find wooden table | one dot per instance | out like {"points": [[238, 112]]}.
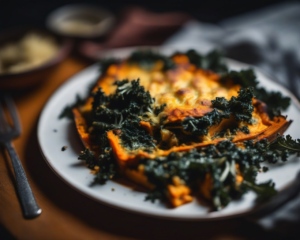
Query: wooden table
{"points": [[68, 214]]}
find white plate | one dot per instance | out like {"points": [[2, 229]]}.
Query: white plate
{"points": [[74, 172]]}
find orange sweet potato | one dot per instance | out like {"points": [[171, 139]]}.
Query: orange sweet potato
{"points": [[82, 128]]}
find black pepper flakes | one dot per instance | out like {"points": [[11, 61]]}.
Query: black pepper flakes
{"points": [[64, 148], [265, 169]]}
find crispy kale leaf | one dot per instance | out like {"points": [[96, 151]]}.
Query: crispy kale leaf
{"points": [[107, 166], [158, 110], [240, 107], [243, 129], [147, 58], [245, 78], [105, 162], [67, 111], [134, 137], [198, 126], [275, 101], [233, 131], [284, 146], [89, 157], [263, 190], [213, 61]]}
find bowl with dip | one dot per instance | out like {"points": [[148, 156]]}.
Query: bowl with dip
{"points": [[81, 21], [27, 56]]}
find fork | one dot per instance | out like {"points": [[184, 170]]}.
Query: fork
{"points": [[7, 133]]}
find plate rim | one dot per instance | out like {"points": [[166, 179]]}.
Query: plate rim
{"points": [[237, 214]]}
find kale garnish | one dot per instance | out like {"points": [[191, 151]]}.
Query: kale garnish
{"points": [[245, 78], [158, 110], [233, 131], [275, 101], [213, 61], [240, 107], [263, 190], [219, 161], [107, 166], [284, 146], [67, 111], [198, 126], [89, 157], [105, 162], [147, 58], [134, 137], [243, 129], [129, 101]]}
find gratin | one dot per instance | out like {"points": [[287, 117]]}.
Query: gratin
{"points": [[179, 126]]}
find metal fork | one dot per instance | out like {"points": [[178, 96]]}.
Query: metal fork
{"points": [[7, 133]]}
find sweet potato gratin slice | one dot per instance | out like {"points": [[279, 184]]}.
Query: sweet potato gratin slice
{"points": [[182, 125]]}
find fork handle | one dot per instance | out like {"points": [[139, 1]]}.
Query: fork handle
{"points": [[28, 202]]}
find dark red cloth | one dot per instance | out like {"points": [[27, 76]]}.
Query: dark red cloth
{"points": [[137, 27]]}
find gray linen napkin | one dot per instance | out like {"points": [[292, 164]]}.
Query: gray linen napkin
{"points": [[270, 39]]}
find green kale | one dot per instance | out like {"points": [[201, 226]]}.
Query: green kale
{"points": [[243, 129], [218, 160], [128, 102], [233, 131], [245, 78], [89, 157], [284, 146], [240, 107], [263, 190], [213, 61], [107, 165], [147, 58], [198, 126], [67, 111], [158, 110], [105, 162], [134, 137], [275, 101], [131, 98]]}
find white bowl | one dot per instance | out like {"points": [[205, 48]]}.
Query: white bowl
{"points": [[81, 21]]}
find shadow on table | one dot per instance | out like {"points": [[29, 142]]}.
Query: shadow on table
{"points": [[123, 223]]}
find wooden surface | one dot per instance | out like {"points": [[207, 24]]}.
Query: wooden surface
{"points": [[66, 214]]}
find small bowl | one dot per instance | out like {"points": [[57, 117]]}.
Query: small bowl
{"points": [[33, 76], [80, 21]]}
